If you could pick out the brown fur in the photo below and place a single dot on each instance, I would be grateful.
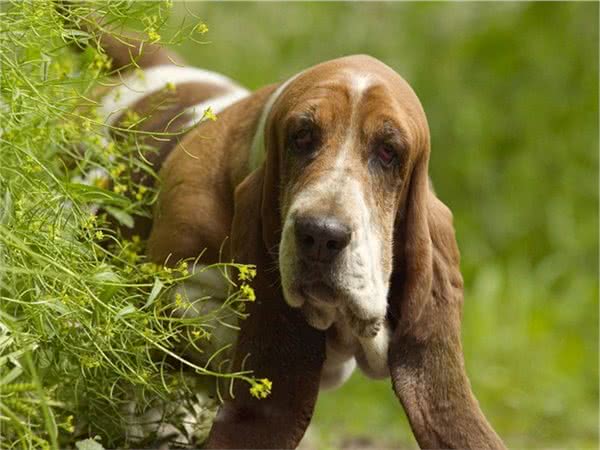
(324, 92)
(290, 353)
(426, 358)
(163, 114)
(196, 202)
(426, 298)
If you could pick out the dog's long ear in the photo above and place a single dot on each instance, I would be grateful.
(425, 358)
(275, 342)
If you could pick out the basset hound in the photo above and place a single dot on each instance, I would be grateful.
(321, 181)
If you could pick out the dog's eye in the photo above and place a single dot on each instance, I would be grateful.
(304, 139)
(386, 154)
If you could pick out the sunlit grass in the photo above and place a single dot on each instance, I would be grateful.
(86, 322)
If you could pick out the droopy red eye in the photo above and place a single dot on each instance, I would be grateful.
(386, 154)
(304, 139)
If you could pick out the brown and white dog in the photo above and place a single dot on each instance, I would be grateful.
(322, 182)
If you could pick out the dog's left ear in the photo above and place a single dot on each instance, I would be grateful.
(274, 341)
(425, 357)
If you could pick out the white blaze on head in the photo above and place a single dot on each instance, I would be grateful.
(359, 83)
(359, 276)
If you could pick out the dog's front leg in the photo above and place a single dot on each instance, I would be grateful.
(276, 343)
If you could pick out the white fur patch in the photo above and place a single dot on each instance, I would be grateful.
(339, 357)
(359, 82)
(203, 294)
(139, 84)
(179, 423)
(335, 374)
(373, 360)
(216, 104)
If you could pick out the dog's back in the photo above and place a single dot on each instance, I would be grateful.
(155, 99)
(162, 96)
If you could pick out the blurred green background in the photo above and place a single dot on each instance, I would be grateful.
(511, 92)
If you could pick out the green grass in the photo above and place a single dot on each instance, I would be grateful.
(86, 322)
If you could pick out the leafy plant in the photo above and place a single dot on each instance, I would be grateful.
(88, 338)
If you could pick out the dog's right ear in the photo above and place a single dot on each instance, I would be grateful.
(274, 342)
(425, 356)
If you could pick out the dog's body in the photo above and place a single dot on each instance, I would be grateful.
(321, 181)
(192, 215)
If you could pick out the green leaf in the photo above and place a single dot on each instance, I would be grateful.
(5, 207)
(122, 217)
(156, 288)
(129, 309)
(106, 275)
(94, 194)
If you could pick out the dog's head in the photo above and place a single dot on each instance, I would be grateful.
(343, 142)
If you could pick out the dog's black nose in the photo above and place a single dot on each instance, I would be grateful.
(320, 239)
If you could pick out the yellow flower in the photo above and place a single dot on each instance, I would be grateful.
(90, 361)
(90, 222)
(178, 300)
(131, 118)
(140, 193)
(100, 182)
(101, 61)
(247, 292)
(209, 114)
(200, 334)
(118, 170)
(267, 383)
(261, 388)
(110, 148)
(153, 35)
(183, 268)
(201, 28)
(247, 273)
(67, 425)
(150, 29)
(148, 332)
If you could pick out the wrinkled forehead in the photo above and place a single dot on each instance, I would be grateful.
(339, 88)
